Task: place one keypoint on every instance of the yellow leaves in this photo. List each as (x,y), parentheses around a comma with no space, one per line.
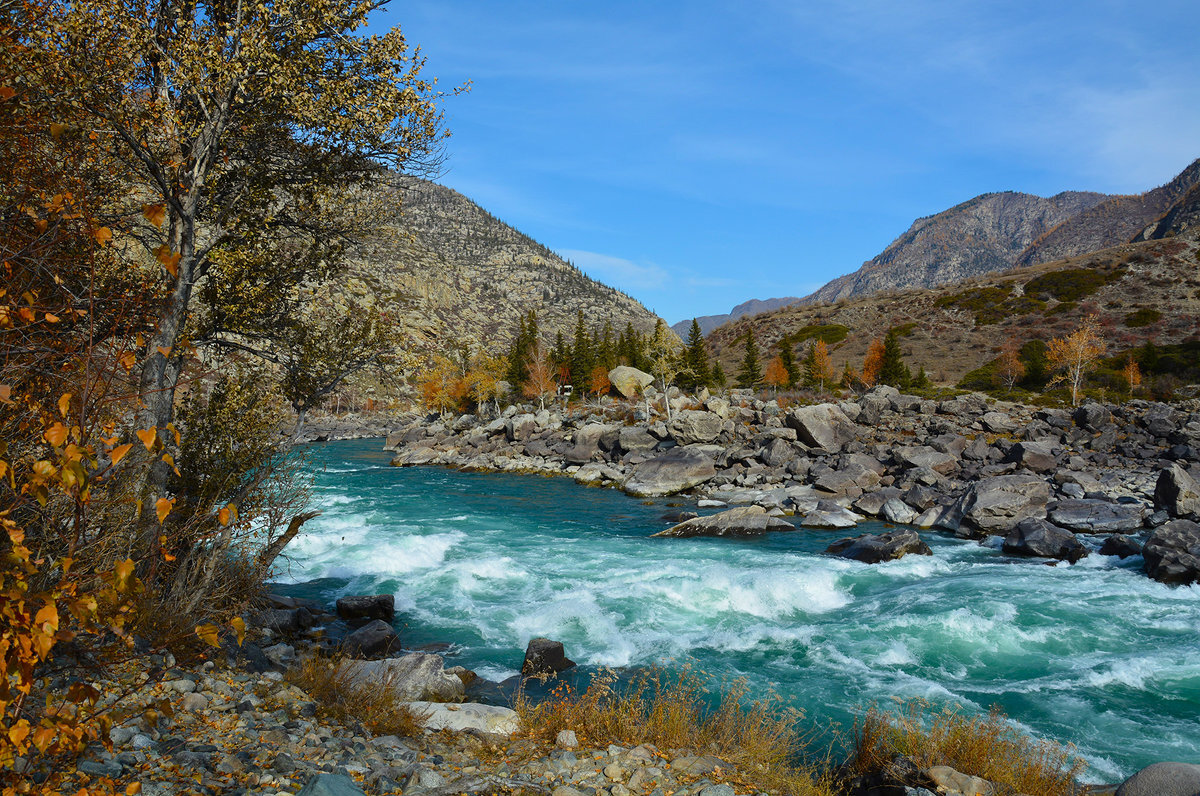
(155,214)
(43,737)
(209,634)
(148,436)
(47,618)
(168,259)
(19,732)
(64,404)
(239,627)
(163,507)
(133,788)
(6,394)
(102,235)
(123,570)
(127,360)
(170,460)
(118,453)
(57,130)
(56,435)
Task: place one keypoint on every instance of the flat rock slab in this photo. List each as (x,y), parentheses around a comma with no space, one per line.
(674,471)
(830,516)
(466,717)
(331,785)
(740,521)
(415,676)
(1096,516)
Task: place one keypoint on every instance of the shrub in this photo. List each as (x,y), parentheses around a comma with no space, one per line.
(343,699)
(982,746)
(831,333)
(1142,317)
(1071,284)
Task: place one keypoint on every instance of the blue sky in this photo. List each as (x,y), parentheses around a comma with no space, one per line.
(698,154)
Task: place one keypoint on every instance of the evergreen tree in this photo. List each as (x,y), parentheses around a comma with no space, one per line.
(893,371)
(582,357)
(718,375)
(921,382)
(787,356)
(561,355)
(606,353)
(750,374)
(696,358)
(523,345)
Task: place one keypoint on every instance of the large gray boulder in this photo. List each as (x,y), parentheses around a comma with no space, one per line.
(372,606)
(1163,779)
(996,504)
(1177,492)
(520,428)
(1039,539)
(416,676)
(1172,552)
(741,521)
(374,638)
(636,438)
(544,656)
(692,426)
(587,442)
(1033,456)
(1096,516)
(468,717)
(876,548)
(823,426)
(629,381)
(925,456)
(674,471)
(830,516)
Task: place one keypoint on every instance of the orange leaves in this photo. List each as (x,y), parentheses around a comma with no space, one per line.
(226,514)
(57,130)
(118,453)
(239,627)
(209,634)
(123,571)
(7,92)
(155,214)
(148,436)
(168,259)
(6,394)
(163,507)
(102,235)
(56,435)
(64,404)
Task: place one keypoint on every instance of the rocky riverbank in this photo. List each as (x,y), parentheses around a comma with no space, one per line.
(1051,483)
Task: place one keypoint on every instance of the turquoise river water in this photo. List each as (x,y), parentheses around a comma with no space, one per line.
(1094,654)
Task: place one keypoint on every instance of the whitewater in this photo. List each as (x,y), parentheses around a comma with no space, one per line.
(1095,654)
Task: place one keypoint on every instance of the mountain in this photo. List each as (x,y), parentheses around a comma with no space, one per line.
(987,233)
(451,275)
(751,307)
(1117,219)
(1182,219)
(1140,291)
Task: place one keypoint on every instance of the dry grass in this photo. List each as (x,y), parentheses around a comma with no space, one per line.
(983,746)
(670,711)
(340,698)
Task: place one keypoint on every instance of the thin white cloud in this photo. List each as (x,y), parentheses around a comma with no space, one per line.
(618,272)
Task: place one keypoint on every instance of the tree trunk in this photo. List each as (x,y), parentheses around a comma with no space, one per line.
(267,557)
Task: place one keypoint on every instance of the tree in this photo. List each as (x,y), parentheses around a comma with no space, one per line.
(750,373)
(540,383)
(245,130)
(892,370)
(525,340)
(483,380)
(442,385)
(1133,375)
(598,383)
(850,377)
(776,374)
(665,361)
(718,375)
(787,358)
(1076,355)
(583,356)
(872,363)
(921,381)
(818,368)
(696,357)
(1009,367)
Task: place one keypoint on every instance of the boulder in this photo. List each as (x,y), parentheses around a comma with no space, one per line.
(543,656)
(925,456)
(741,521)
(674,471)
(1172,552)
(897,511)
(1163,779)
(417,676)
(996,504)
(830,516)
(636,438)
(692,426)
(823,426)
(1039,539)
(1092,417)
(520,428)
(588,442)
(1121,546)
(469,717)
(330,785)
(629,381)
(875,548)
(998,422)
(1033,456)
(372,606)
(1177,492)
(777,453)
(1096,516)
(374,638)
(950,782)
(853,479)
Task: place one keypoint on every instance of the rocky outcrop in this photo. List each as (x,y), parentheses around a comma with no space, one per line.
(741,521)
(994,505)
(691,426)
(1039,539)
(876,548)
(1163,779)
(1172,552)
(674,471)
(1177,492)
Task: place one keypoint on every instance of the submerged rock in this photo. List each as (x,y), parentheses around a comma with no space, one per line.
(1121,546)
(876,548)
(741,521)
(374,606)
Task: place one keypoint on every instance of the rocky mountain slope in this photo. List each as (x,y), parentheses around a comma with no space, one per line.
(987,233)
(1117,219)
(751,307)
(453,275)
(1141,291)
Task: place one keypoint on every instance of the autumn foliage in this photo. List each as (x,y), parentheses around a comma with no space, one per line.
(1075,355)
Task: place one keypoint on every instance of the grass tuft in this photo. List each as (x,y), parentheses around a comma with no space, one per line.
(671,710)
(983,746)
(340,697)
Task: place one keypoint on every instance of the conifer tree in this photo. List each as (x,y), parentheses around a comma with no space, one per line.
(892,370)
(921,380)
(582,357)
(606,353)
(560,355)
(696,357)
(718,375)
(750,374)
(818,368)
(787,357)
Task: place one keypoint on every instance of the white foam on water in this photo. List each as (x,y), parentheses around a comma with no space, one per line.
(497,674)
(897,654)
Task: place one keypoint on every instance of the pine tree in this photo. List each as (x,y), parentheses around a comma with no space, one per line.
(606,353)
(921,381)
(750,374)
(582,357)
(696,358)
(892,370)
(517,371)
(787,357)
(560,355)
(718,375)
